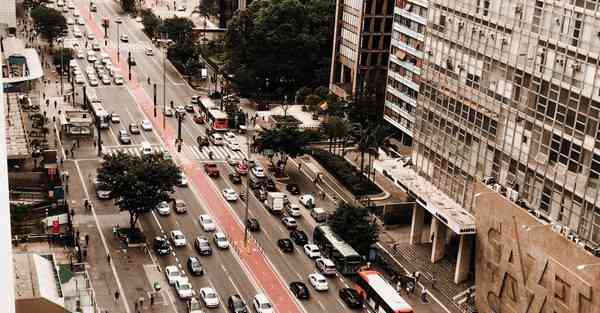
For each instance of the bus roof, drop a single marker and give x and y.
(343, 247)
(207, 103)
(216, 114)
(386, 291)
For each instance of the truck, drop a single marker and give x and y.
(275, 202)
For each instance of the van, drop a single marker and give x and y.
(216, 139)
(325, 266)
(319, 215)
(146, 148)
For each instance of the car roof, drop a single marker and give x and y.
(261, 298)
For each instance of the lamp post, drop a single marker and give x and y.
(62, 63)
(118, 21)
(249, 130)
(164, 84)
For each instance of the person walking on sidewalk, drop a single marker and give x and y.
(424, 295)
(117, 294)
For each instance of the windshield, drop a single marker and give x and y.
(265, 305)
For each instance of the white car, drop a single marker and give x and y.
(312, 251)
(209, 297)
(119, 80)
(168, 112)
(178, 238)
(307, 199)
(229, 136)
(294, 210)
(77, 33)
(149, 51)
(146, 125)
(163, 208)
(80, 54)
(221, 240)
(115, 118)
(81, 21)
(90, 71)
(173, 274)
(184, 288)
(230, 194)
(318, 281)
(124, 38)
(289, 222)
(234, 146)
(261, 304)
(76, 14)
(94, 81)
(106, 79)
(71, 6)
(91, 56)
(207, 222)
(90, 36)
(70, 21)
(79, 79)
(258, 171)
(183, 181)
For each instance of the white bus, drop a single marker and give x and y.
(97, 109)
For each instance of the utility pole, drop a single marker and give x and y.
(118, 21)
(248, 131)
(99, 136)
(84, 105)
(129, 62)
(179, 139)
(164, 87)
(62, 64)
(154, 99)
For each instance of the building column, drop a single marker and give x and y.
(463, 261)
(439, 240)
(416, 226)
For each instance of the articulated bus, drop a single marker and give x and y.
(347, 260)
(97, 109)
(379, 295)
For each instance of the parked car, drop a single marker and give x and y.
(207, 223)
(351, 297)
(194, 266)
(299, 237)
(299, 290)
(285, 245)
(235, 178)
(202, 246)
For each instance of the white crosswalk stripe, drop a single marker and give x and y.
(131, 150)
(219, 153)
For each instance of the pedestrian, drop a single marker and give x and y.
(55, 104)
(299, 166)
(67, 187)
(84, 254)
(398, 286)
(108, 258)
(136, 306)
(44, 97)
(141, 303)
(61, 161)
(115, 231)
(87, 237)
(417, 275)
(151, 300)
(424, 295)
(53, 119)
(77, 142)
(117, 294)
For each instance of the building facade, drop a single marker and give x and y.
(8, 14)
(508, 94)
(361, 45)
(405, 65)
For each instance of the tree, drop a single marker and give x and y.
(63, 56)
(128, 6)
(337, 129)
(178, 29)
(50, 23)
(284, 142)
(185, 56)
(370, 139)
(208, 8)
(283, 43)
(151, 22)
(302, 93)
(355, 226)
(312, 102)
(140, 183)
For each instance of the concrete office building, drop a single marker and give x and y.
(361, 45)
(509, 93)
(8, 14)
(405, 66)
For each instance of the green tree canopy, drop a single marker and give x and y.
(63, 55)
(50, 23)
(282, 44)
(128, 5)
(185, 56)
(284, 142)
(208, 8)
(140, 183)
(355, 226)
(150, 21)
(178, 29)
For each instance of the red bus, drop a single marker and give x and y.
(218, 120)
(379, 294)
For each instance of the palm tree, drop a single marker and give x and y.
(371, 139)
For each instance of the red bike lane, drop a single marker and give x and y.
(253, 259)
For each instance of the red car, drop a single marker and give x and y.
(211, 169)
(242, 168)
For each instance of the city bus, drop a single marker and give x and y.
(378, 294)
(97, 109)
(347, 261)
(217, 119)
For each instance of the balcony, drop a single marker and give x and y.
(409, 32)
(407, 65)
(410, 15)
(402, 45)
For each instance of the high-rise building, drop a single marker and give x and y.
(361, 46)
(509, 94)
(8, 14)
(405, 66)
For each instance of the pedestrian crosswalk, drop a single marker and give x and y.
(220, 153)
(132, 150)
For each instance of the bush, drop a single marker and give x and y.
(348, 175)
(312, 102)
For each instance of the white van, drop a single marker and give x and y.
(146, 149)
(325, 266)
(216, 139)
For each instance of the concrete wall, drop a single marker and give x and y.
(524, 267)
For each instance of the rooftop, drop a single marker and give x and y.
(16, 137)
(36, 276)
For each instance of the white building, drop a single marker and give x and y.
(8, 14)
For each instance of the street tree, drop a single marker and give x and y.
(151, 22)
(355, 225)
(128, 6)
(140, 183)
(48, 22)
(285, 44)
(185, 56)
(369, 141)
(337, 130)
(284, 142)
(63, 56)
(178, 29)
(208, 8)
(312, 102)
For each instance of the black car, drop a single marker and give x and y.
(285, 245)
(293, 188)
(161, 246)
(194, 266)
(252, 224)
(270, 184)
(236, 304)
(351, 297)
(260, 194)
(299, 237)
(202, 141)
(203, 246)
(189, 108)
(235, 178)
(299, 290)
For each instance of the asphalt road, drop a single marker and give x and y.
(224, 270)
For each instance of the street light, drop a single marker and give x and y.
(62, 62)
(118, 21)
(248, 131)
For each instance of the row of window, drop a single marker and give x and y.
(399, 103)
(398, 118)
(408, 23)
(402, 88)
